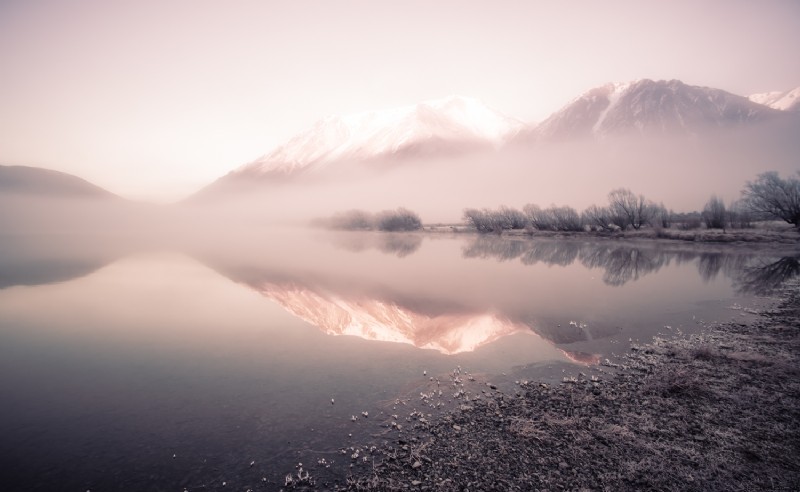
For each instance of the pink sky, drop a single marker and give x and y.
(152, 99)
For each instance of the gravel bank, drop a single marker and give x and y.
(715, 411)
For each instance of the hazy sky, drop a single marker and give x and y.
(153, 99)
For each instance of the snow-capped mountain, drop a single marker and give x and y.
(784, 101)
(650, 108)
(450, 125)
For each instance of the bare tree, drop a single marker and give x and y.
(512, 218)
(739, 215)
(635, 210)
(486, 220)
(478, 219)
(565, 218)
(772, 197)
(598, 218)
(714, 213)
(538, 218)
(660, 216)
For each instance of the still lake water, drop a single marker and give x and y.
(143, 365)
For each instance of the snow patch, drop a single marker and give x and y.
(616, 91)
(784, 101)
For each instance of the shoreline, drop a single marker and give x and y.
(780, 234)
(719, 410)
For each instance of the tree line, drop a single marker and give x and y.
(400, 219)
(769, 197)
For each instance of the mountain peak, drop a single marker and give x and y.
(649, 107)
(431, 127)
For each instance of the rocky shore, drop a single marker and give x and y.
(715, 411)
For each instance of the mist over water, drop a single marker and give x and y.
(222, 346)
(681, 171)
(177, 344)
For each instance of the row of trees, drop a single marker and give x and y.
(400, 219)
(769, 197)
(624, 210)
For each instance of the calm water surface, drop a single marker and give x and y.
(138, 365)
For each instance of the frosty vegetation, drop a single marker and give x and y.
(400, 219)
(769, 197)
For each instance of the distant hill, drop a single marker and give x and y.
(24, 180)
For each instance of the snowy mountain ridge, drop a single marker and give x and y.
(458, 125)
(649, 107)
(374, 134)
(784, 101)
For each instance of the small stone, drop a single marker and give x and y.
(416, 482)
(333, 401)
(457, 428)
(416, 465)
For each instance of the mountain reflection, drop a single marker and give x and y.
(434, 299)
(48, 259)
(388, 321)
(623, 263)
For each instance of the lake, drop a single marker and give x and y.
(142, 364)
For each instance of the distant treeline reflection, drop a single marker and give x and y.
(398, 244)
(622, 263)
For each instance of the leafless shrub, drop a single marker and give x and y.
(714, 213)
(400, 219)
(350, 220)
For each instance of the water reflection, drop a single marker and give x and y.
(387, 320)
(623, 263)
(436, 300)
(767, 278)
(48, 259)
(398, 244)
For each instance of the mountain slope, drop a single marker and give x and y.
(784, 101)
(448, 126)
(25, 180)
(648, 107)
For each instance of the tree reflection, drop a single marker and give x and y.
(623, 263)
(766, 278)
(551, 253)
(398, 244)
(497, 248)
(401, 245)
(710, 264)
